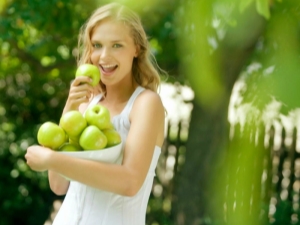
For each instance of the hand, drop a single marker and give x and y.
(80, 92)
(38, 157)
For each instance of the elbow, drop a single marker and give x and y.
(130, 193)
(132, 184)
(58, 184)
(131, 189)
(59, 189)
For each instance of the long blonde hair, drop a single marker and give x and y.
(144, 69)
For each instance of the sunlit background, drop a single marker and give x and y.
(232, 147)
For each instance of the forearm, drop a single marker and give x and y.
(108, 177)
(68, 107)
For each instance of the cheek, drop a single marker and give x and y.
(127, 60)
(94, 58)
(128, 65)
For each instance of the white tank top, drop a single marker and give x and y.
(84, 205)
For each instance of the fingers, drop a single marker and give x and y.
(80, 92)
(82, 86)
(81, 80)
(27, 157)
(37, 157)
(29, 153)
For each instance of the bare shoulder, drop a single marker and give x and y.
(147, 118)
(148, 103)
(149, 99)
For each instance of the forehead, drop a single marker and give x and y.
(111, 30)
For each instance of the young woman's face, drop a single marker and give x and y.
(113, 51)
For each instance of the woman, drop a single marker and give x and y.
(110, 194)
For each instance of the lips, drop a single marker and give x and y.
(107, 69)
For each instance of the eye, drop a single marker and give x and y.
(117, 46)
(96, 45)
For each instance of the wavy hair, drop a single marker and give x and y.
(144, 69)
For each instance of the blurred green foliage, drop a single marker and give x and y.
(38, 45)
(222, 42)
(206, 44)
(273, 69)
(37, 39)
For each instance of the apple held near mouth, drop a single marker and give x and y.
(113, 137)
(51, 135)
(99, 116)
(92, 138)
(91, 71)
(73, 123)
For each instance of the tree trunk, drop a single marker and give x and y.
(195, 195)
(205, 144)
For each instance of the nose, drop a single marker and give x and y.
(105, 52)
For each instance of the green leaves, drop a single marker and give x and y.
(262, 7)
(244, 4)
(36, 43)
(3, 4)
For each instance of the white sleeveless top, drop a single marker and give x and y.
(84, 205)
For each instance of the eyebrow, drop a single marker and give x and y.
(113, 41)
(117, 41)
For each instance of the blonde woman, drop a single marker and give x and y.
(114, 40)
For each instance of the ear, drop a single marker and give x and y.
(137, 51)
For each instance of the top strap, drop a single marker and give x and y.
(131, 100)
(128, 106)
(94, 101)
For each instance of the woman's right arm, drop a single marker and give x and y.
(80, 93)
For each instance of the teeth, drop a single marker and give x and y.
(108, 66)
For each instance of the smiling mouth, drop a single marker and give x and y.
(108, 68)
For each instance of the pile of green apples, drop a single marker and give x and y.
(77, 132)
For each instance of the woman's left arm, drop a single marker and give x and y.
(147, 127)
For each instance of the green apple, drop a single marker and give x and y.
(67, 137)
(91, 71)
(99, 116)
(74, 140)
(110, 126)
(113, 137)
(73, 123)
(92, 138)
(51, 135)
(68, 147)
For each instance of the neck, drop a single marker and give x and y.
(120, 93)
